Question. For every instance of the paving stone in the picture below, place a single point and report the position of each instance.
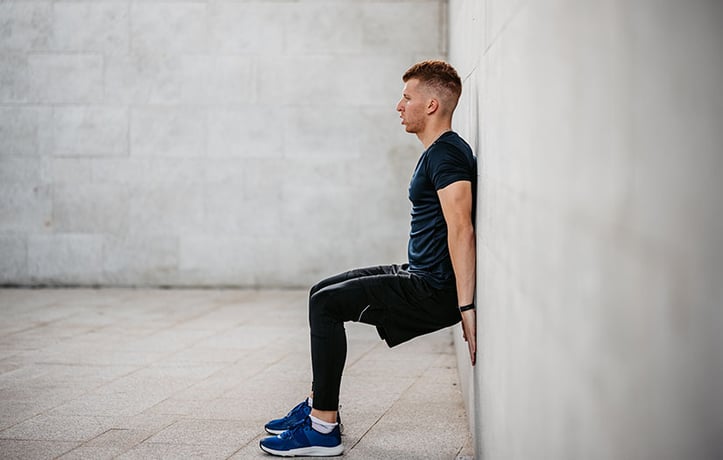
(180, 407)
(109, 444)
(149, 423)
(12, 449)
(14, 412)
(207, 433)
(170, 451)
(93, 453)
(112, 405)
(57, 428)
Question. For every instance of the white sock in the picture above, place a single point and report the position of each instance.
(322, 426)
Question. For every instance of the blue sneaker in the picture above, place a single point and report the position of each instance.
(293, 418)
(303, 440)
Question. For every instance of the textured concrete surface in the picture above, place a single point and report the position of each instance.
(598, 129)
(148, 143)
(188, 373)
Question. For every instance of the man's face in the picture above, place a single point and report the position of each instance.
(412, 106)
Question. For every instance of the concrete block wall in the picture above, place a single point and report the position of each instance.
(600, 237)
(205, 142)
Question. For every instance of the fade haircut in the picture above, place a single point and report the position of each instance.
(440, 77)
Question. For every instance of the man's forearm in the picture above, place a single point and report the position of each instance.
(462, 252)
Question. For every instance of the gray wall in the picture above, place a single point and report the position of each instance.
(206, 142)
(599, 128)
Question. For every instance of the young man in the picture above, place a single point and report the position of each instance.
(433, 291)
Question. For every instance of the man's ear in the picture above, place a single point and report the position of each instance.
(432, 106)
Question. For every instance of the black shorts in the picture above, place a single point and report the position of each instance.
(402, 305)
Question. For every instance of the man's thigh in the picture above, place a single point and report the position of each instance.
(354, 274)
(367, 297)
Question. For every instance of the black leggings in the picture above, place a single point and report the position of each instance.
(376, 296)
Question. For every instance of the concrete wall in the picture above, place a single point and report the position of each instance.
(205, 142)
(599, 128)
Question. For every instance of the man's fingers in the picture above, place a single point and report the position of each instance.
(469, 332)
(472, 351)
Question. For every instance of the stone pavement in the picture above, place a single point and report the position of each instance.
(126, 373)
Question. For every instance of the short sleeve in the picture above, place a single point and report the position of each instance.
(446, 165)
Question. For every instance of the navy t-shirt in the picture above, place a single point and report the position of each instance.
(449, 159)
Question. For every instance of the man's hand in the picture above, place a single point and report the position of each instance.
(469, 332)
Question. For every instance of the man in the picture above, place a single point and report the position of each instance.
(433, 291)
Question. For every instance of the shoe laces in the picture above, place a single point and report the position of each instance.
(302, 424)
(298, 408)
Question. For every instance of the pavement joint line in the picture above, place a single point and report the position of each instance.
(391, 406)
(254, 440)
(368, 351)
(42, 325)
(259, 372)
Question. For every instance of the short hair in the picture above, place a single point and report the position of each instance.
(440, 77)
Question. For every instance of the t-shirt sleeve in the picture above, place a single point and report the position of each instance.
(447, 165)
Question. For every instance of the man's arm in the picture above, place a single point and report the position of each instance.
(456, 200)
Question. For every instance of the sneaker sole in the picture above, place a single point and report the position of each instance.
(313, 451)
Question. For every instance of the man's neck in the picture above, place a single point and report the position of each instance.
(428, 136)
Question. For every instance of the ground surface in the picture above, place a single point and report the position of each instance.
(196, 373)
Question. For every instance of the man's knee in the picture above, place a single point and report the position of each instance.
(319, 306)
(316, 288)
(337, 303)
